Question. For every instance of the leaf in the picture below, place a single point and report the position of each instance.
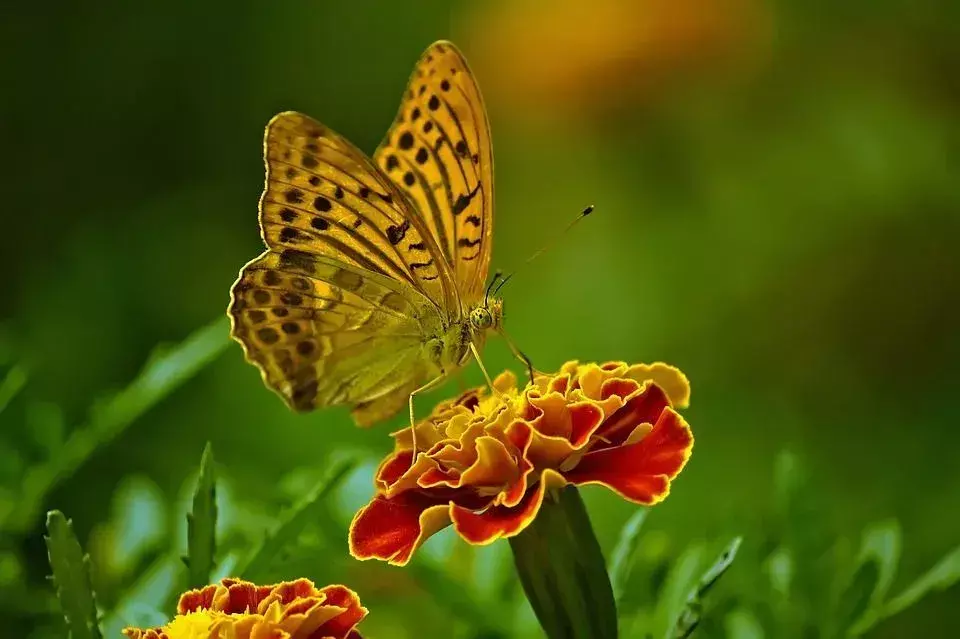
(563, 572)
(692, 612)
(12, 384)
(621, 561)
(161, 376)
(310, 509)
(943, 575)
(876, 567)
(141, 604)
(742, 624)
(453, 596)
(71, 576)
(676, 588)
(202, 524)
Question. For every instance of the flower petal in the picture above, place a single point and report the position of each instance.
(640, 472)
(499, 522)
(342, 597)
(673, 382)
(643, 408)
(392, 528)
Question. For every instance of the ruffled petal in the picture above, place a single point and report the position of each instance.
(392, 528)
(499, 522)
(640, 472)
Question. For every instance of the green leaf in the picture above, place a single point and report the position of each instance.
(142, 603)
(162, 374)
(692, 612)
(202, 524)
(563, 572)
(312, 509)
(943, 575)
(876, 567)
(453, 596)
(71, 576)
(742, 624)
(12, 384)
(672, 597)
(621, 561)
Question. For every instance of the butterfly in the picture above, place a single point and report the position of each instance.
(373, 285)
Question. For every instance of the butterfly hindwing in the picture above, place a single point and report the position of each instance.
(324, 333)
(439, 153)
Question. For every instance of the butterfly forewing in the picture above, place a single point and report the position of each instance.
(324, 197)
(439, 153)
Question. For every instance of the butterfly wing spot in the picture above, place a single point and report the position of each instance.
(463, 201)
(349, 280)
(396, 233)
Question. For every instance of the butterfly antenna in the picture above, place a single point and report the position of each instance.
(587, 211)
(496, 276)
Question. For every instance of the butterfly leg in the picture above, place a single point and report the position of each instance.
(426, 387)
(518, 354)
(476, 355)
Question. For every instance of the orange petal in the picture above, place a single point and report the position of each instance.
(341, 597)
(643, 408)
(499, 522)
(494, 466)
(392, 528)
(640, 472)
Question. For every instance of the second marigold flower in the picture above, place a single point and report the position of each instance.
(487, 460)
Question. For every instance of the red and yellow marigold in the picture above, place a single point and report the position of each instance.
(235, 609)
(487, 460)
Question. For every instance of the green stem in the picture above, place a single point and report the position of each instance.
(563, 571)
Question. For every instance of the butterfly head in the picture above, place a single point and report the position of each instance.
(487, 316)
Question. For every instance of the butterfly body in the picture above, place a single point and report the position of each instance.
(372, 286)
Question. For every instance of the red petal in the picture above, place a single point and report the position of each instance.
(339, 626)
(394, 467)
(392, 528)
(499, 521)
(643, 408)
(640, 472)
(196, 600)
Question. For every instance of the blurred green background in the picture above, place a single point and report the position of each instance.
(777, 204)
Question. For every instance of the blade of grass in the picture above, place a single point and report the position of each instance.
(944, 574)
(621, 561)
(12, 384)
(310, 509)
(71, 576)
(142, 603)
(863, 599)
(452, 595)
(692, 612)
(202, 524)
(161, 376)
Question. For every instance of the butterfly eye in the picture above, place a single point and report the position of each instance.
(481, 318)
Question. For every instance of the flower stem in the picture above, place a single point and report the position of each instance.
(563, 571)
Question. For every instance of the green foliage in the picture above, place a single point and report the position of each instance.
(71, 578)
(313, 509)
(692, 612)
(945, 574)
(621, 560)
(202, 524)
(165, 371)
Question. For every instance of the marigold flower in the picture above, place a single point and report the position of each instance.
(486, 460)
(235, 609)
